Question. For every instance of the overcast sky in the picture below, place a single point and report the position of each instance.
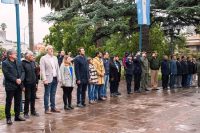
(7, 15)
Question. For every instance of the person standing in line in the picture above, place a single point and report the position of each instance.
(106, 62)
(115, 76)
(173, 71)
(198, 72)
(99, 65)
(137, 72)
(194, 74)
(14, 75)
(145, 72)
(154, 65)
(165, 70)
(190, 71)
(29, 82)
(179, 73)
(129, 73)
(82, 76)
(68, 81)
(92, 82)
(50, 75)
(60, 57)
(184, 66)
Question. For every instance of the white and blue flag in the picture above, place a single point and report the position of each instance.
(10, 1)
(143, 12)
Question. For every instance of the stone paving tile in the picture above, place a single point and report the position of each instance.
(173, 111)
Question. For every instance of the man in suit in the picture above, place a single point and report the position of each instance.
(14, 75)
(50, 75)
(82, 76)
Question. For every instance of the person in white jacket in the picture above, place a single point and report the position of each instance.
(68, 81)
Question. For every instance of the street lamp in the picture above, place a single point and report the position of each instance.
(171, 31)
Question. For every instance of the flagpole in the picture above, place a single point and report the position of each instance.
(140, 38)
(18, 32)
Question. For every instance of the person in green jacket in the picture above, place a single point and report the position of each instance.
(154, 66)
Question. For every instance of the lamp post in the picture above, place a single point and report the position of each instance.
(171, 31)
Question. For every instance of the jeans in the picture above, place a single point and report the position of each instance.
(184, 80)
(104, 90)
(50, 91)
(189, 80)
(98, 90)
(178, 80)
(29, 98)
(172, 81)
(91, 91)
(17, 94)
(81, 90)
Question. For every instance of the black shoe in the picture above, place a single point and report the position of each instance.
(130, 92)
(71, 107)
(84, 104)
(19, 118)
(147, 90)
(118, 93)
(80, 105)
(35, 114)
(100, 99)
(26, 116)
(137, 91)
(9, 122)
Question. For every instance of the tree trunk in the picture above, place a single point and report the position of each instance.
(145, 38)
(30, 23)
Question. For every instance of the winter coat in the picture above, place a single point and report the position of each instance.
(115, 71)
(129, 67)
(165, 67)
(30, 75)
(179, 68)
(173, 67)
(12, 71)
(99, 65)
(184, 66)
(154, 63)
(137, 66)
(68, 79)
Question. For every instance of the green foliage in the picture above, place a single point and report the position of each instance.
(2, 112)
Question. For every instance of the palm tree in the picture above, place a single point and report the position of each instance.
(3, 26)
(54, 4)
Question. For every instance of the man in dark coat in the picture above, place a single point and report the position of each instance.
(173, 71)
(184, 66)
(190, 71)
(14, 76)
(165, 70)
(29, 84)
(129, 73)
(137, 72)
(115, 75)
(82, 76)
(179, 73)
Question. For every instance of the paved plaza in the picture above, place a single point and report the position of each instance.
(172, 111)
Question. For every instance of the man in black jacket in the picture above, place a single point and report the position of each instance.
(129, 73)
(29, 84)
(184, 66)
(14, 75)
(82, 76)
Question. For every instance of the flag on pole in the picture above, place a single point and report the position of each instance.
(10, 1)
(143, 11)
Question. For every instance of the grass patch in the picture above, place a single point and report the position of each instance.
(2, 112)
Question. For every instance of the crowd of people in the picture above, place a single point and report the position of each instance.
(92, 74)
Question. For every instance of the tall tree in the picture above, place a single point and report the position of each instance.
(54, 4)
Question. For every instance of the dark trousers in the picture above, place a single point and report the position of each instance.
(114, 85)
(184, 80)
(30, 91)
(67, 95)
(165, 81)
(128, 82)
(17, 94)
(172, 81)
(81, 92)
(198, 81)
(137, 78)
